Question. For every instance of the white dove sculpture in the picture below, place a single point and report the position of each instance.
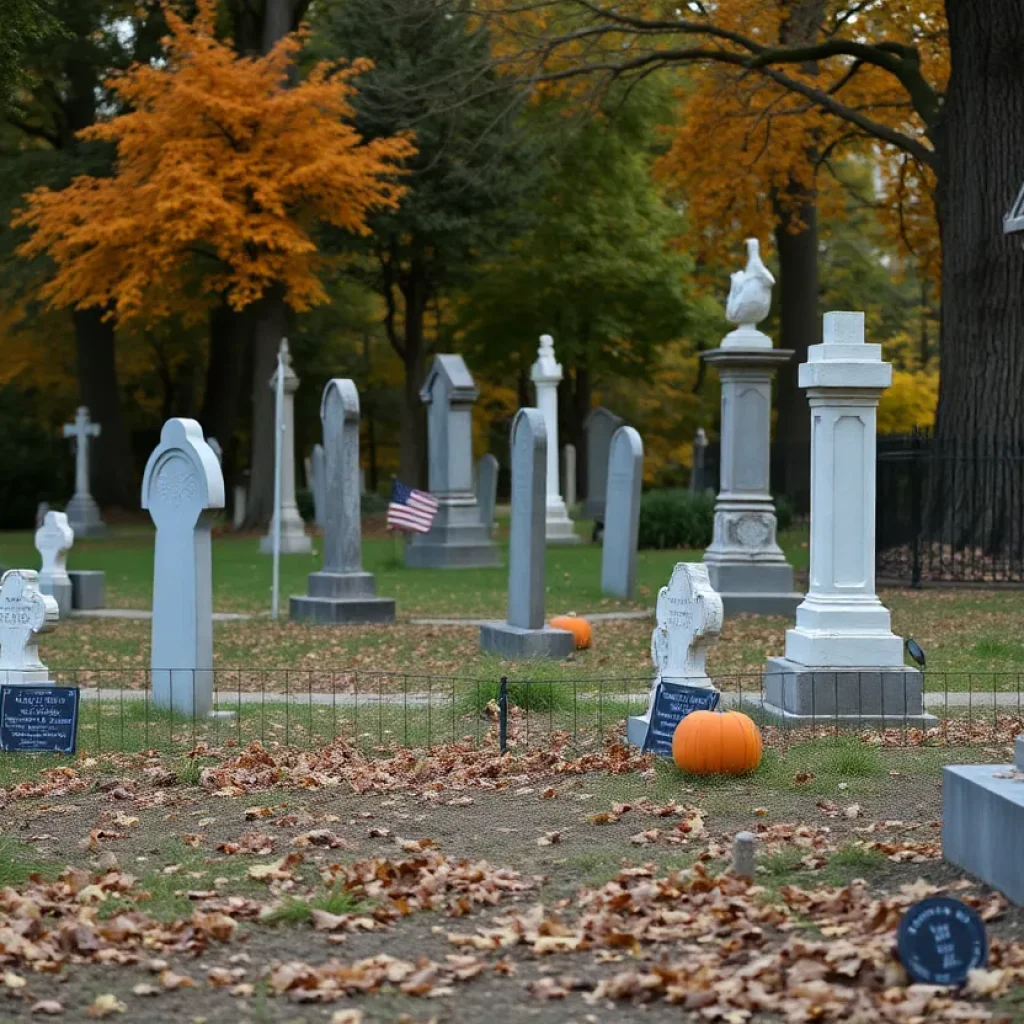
(750, 297)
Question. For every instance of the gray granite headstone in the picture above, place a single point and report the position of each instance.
(622, 513)
(82, 511)
(341, 593)
(524, 634)
(599, 425)
(318, 472)
(569, 475)
(53, 542)
(24, 614)
(457, 537)
(182, 488)
(88, 589)
(487, 489)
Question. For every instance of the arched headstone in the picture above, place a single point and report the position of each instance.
(25, 613)
(622, 513)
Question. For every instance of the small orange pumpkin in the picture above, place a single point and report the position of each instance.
(578, 626)
(714, 743)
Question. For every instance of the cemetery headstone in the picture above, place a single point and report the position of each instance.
(53, 542)
(546, 373)
(457, 538)
(745, 563)
(88, 589)
(341, 593)
(622, 513)
(25, 614)
(182, 488)
(294, 540)
(216, 449)
(599, 426)
(689, 619)
(700, 445)
(319, 475)
(82, 511)
(569, 475)
(940, 940)
(487, 490)
(842, 662)
(525, 634)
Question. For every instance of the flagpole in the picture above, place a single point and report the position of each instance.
(278, 454)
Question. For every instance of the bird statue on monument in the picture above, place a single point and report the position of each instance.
(750, 295)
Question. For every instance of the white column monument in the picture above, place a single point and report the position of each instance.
(82, 511)
(546, 374)
(843, 662)
(294, 540)
(182, 487)
(745, 564)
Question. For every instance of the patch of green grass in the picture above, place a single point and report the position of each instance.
(781, 864)
(18, 862)
(534, 695)
(296, 910)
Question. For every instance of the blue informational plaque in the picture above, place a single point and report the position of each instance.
(672, 703)
(38, 719)
(940, 939)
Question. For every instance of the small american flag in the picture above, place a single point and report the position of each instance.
(410, 509)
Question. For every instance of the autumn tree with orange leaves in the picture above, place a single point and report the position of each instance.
(224, 169)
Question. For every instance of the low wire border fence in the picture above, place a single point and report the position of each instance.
(380, 712)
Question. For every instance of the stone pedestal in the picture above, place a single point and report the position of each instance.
(842, 638)
(82, 511)
(88, 589)
(342, 593)
(293, 531)
(745, 564)
(457, 539)
(546, 374)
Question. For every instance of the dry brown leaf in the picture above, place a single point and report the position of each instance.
(549, 839)
(49, 1007)
(105, 1005)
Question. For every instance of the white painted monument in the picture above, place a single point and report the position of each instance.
(689, 620)
(842, 660)
(82, 511)
(25, 613)
(745, 563)
(546, 373)
(293, 533)
(622, 513)
(182, 488)
(53, 542)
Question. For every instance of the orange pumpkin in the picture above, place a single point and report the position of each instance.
(713, 743)
(579, 627)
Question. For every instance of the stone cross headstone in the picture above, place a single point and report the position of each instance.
(622, 513)
(342, 593)
(689, 619)
(546, 373)
(487, 490)
(524, 634)
(599, 426)
(182, 488)
(53, 542)
(319, 472)
(294, 540)
(216, 449)
(457, 538)
(569, 475)
(82, 511)
(700, 446)
(25, 613)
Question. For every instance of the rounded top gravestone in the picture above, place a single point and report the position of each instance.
(940, 940)
(689, 619)
(183, 477)
(24, 614)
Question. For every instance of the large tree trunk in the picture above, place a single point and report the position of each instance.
(800, 326)
(230, 334)
(111, 465)
(412, 454)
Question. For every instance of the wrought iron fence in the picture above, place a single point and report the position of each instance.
(381, 712)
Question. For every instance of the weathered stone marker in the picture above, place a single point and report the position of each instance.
(457, 538)
(487, 490)
(88, 589)
(82, 511)
(25, 614)
(182, 488)
(599, 426)
(689, 616)
(294, 540)
(318, 470)
(524, 634)
(53, 542)
(843, 663)
(622, 513)
(341, 593)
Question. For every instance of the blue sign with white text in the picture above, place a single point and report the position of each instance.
(38, 719)
(940, 939)
(671, 705)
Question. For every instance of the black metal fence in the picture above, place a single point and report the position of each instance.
(380, 712)
(949, 513)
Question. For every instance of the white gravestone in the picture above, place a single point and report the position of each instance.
(294, 540)
(82, 511)
(569, 475)
(25, 613)
(622, 513)
(53, 542)
(599, 426)
(487, 490)
(546, 373)
(842, 661)
(524, 634)
(182, 488)
(342, 593)
(689, 620)
(745, 563)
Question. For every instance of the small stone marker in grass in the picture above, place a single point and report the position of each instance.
(53, 542)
